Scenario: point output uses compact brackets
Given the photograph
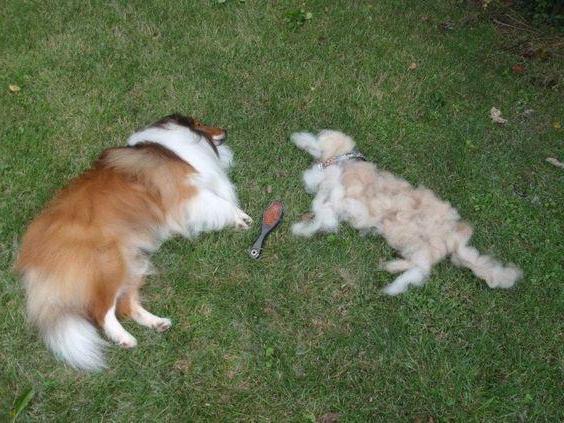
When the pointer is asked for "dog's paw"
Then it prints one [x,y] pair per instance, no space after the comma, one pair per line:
[302,229]
[299,138]
[126,340]
[161,324]
[394,289]
[307,142]
[396,266]
[243,220]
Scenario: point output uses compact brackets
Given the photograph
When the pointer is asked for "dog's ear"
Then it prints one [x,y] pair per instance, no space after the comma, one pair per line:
[307,142]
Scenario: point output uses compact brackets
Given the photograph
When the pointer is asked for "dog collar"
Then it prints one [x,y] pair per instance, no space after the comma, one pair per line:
[353,155]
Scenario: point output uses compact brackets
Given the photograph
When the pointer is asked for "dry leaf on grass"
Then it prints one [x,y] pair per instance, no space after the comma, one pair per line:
[446,26]
[14,88]
[413,66]
[555,162]
[495,114]
[328,418]
[519,69]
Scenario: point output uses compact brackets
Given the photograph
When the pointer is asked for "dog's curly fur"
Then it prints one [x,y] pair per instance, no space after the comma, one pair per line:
[420,226]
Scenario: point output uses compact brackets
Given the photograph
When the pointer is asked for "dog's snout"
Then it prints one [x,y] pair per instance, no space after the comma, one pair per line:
[219,137]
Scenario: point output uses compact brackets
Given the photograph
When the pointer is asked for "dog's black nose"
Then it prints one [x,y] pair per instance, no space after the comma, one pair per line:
[219,139]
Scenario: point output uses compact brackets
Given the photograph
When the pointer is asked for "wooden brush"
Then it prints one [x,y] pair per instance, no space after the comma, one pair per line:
[270,219]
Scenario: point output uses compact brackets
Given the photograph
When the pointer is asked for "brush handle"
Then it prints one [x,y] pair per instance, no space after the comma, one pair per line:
[256,249]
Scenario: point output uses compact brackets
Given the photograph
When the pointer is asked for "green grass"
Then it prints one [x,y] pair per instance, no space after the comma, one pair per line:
[304,331]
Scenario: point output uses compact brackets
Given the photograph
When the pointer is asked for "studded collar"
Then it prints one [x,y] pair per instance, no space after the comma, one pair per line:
[353,155]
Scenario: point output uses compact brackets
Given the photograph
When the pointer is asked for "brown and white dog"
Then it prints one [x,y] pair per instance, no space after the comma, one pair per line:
[83,259]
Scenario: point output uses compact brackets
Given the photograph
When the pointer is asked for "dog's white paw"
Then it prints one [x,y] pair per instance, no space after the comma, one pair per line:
[243,220]
[126,340]
[302,229]
[161,324]
[396,266]
[394,289]
[301,138]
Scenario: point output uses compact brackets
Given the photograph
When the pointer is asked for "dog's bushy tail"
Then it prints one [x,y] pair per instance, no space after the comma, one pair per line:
[485,267]
[75,341]
[68,335]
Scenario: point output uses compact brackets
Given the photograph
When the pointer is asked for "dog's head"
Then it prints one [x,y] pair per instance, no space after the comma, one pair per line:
[326,144]
[180,133]
[213,135]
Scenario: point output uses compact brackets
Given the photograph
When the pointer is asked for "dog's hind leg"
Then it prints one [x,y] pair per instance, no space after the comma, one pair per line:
[129,305]
[396,266]
[325,220]
[416,275]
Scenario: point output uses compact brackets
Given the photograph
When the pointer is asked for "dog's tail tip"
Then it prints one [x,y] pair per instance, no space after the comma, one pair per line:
[496,274]
[505,276]
[76,342]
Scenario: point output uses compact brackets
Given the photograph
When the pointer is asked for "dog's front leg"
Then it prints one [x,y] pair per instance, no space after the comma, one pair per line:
[312,179]
[325,219]
[209,212]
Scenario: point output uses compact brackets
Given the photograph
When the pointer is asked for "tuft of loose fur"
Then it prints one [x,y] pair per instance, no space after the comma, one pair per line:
[421,227]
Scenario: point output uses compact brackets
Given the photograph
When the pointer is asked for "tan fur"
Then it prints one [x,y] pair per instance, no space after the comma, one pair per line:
[421,227]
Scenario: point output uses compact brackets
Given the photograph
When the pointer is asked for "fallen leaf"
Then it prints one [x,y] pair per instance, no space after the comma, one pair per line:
[446,26]
[14,88]
[495,114]
[519,68]
[555,162]
[529,53]
[413,66]
[556,125]
[328,418]
[183,366]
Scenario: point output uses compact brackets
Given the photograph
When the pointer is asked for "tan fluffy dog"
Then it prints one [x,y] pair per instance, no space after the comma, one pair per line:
[420,226]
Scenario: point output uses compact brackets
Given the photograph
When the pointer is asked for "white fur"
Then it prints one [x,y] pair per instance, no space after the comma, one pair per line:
[115,331]
[216,205]
[145,318]
[420,226]
[76,341]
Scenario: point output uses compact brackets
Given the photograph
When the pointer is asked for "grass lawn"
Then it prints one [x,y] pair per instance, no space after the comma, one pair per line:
[305,331]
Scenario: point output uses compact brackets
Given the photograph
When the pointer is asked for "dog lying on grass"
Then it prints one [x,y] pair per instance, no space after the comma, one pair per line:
[85,257]
[420,226]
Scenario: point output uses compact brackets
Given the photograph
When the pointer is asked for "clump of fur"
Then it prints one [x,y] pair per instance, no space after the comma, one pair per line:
[414,221]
